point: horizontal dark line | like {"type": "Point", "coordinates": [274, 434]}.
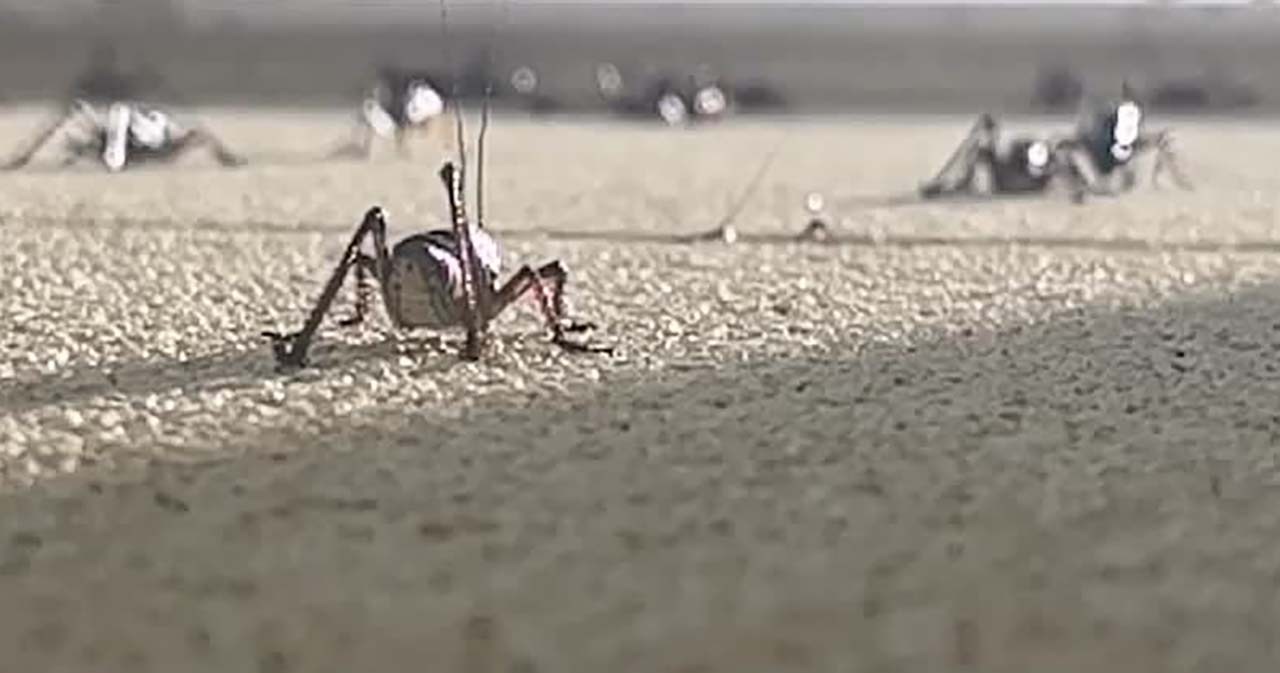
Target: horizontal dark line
{"type": "Point", "coordinates": [1120, 244]}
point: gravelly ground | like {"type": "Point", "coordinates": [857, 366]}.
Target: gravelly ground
{"type": "Point", "coordinates": [1054, 454]}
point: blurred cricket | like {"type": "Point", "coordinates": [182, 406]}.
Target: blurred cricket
{"type": "Point", "coordinates": [402, 103]}
{"type": "Point", "coordinates": [121, 134]}
{"type": "Point", "coordinates": [1096, 158]}
{"type": "Point", "coordinates": [673, 100]}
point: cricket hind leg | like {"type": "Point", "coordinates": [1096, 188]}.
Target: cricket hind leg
{"type": "Point", "coordinates": [77, 110]}
{"type": "Point", "coordinates": [290, 349]}
{"type": "Point", "coordinates": [358, 146]}
{"type": "Point", "coordinates": [79, 149]}
{"type": "Point", "coordinates": [957, 173]}
{"type": "Point", "coordinates": [421, 133]}
{"type": "Point", "coordinates": [1081, 174]}
{"type": "Point", "coordinates": [403, 134]}
{"type": "Point", "coordinates": [365, 266]}
{"type": "Point", "coordinates": [1167, 159]}
{"type": "Point", "coordinates": [1127, 177]}
{"type": "Point", "coordinates": [202, 137]}
{"type": "Point", "coordinates": [547, 285]}
{"type": "Point", "coordinates": [554, 278]}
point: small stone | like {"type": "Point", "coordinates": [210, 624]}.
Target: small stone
{"type": "Point", "coordinates": [74, 418]}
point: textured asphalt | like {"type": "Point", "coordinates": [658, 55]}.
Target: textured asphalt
{"type": "Point", "coordinates": [1006, 436]}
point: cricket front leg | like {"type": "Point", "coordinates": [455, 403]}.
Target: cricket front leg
{"type": "Point", "coordinates": [554, 277]}
{"type": "Point", "coordinates": [403, 134]}
{"type": "Point", "coordinates": [80, 151]}
{"type": "Point", "coordinates": [547, 286]}
{"type": "Point", "coordinates": [474, 299]}
{"type": "Point", "coordinates": [198, 137]}
{"type": "Point", "coordinates": [1128, 178]}
{"type": "Point", "coordinates": [1083, 175]}
{"type": "Point", "coordinates": [360, 145]}
{"type": "Point", "coordinates": [1166, 159]}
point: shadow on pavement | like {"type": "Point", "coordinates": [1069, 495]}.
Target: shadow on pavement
{"type": "Point", "coordinates": [1093, 491]}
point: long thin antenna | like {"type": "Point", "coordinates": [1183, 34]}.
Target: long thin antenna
{"type": "Point", "coordinates": [736, 208]}
{"type": "Point", "coordinates": [484, 114]}
{"type": "Point", "coordinates": [474, 280]}
{"type": "Point", "coordinates": [458, 124]}
{"type": "Point", "coordinates": [484, 129]}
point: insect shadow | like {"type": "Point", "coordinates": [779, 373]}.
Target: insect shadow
{"type": "Point", "coordinates": [226, 370]}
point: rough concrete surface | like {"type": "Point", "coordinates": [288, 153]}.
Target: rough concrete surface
{"type": "Point", "coordinates": [1006, 436]}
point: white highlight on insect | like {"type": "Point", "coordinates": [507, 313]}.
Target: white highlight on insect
{"type": "Point", "coordinates": [1128, 121]}
{"type": "Point", "coordinates": [1127, 129]}
{"type": "Point", "coordinates": [378, 119]}
{"type": "Point", "coordinates": [1038, 155]}
{"type": "Point", "coordinates": [672, 109]}
{"type": "Point", "coordinates": [524, 80]}
{"type": "Point", "coordinates": [116, 145]}
{"type": "Point", "coordinates": [149, 128]}
{"type": "Point", "coordinates": [710, 101]}
{"type": "Point", "coordinates": [422, 103]}
{"type": "Point", "coordinates": [609, 78]}
{"type": "Point", "coordinates": [417, 283]}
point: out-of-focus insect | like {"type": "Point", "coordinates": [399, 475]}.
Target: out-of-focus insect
{"type": "Point", "coordinates": [400, 104]}
{"type": "Point", "coordinates": [529, 92]}
{"type": "Point", "coordinates": [816, 229]}
{"type": "Point", "coordinates": [1100, 150]}
{"type": "Point", "coordinates": [439, 279]}
{"type": "Point", "coordinates": [699, 98]}
{"type": "Point", "coordinates": [122, 134]}
{"type": "Point", "coordinates": [1012, 166]}
{"type": "Point", "coordinates": [1108, 139]}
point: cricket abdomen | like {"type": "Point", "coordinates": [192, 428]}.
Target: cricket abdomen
{"type": "Point", "coordinates": [425, 284]}
{"type": "Point", "coordinates": [421, 286]}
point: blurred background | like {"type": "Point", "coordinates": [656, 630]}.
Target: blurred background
{"type": "Point", "coordinates": [798, 56]}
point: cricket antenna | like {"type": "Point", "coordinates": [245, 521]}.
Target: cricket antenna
{"type": "Point", "coordinates": [484, 115]}
{"type": "Point", "coordinates": [725, 229]}
{"type": "Point", "coordinates": [484, 130]}
{"type": "Point", "coordinates": [1126, 90]}
{"type": "Point", "coordinates": [458, 125]}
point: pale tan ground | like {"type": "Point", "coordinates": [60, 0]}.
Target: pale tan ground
{"type": "Point", "coordinates": [975, 455]}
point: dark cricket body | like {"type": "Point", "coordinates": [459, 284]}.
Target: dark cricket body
{"type": "Point", "coordinates": [122, 134]}
{"type": "Point", "coordinates": [438, 279]}
{"type": "Point", "coordinates": [1103, 145]}
{"type": "Point", "coordinates": [400, 103]}
{"type": "Point", "coordinates": [674, 100]}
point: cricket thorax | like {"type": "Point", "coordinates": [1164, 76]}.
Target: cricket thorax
{"type": "Point", "coordinates": [424, 287]}
{"type": "Point", "coordinates": [1113, 135]}
{"type": "Point", "coordinates": [1030, 156]}
{"type": "Point", "coordinates": [1020, 165]}
{"type": "Point", "coordinates": [397, 106]}
{"type": "Point", "coordinates": [132, 128]}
